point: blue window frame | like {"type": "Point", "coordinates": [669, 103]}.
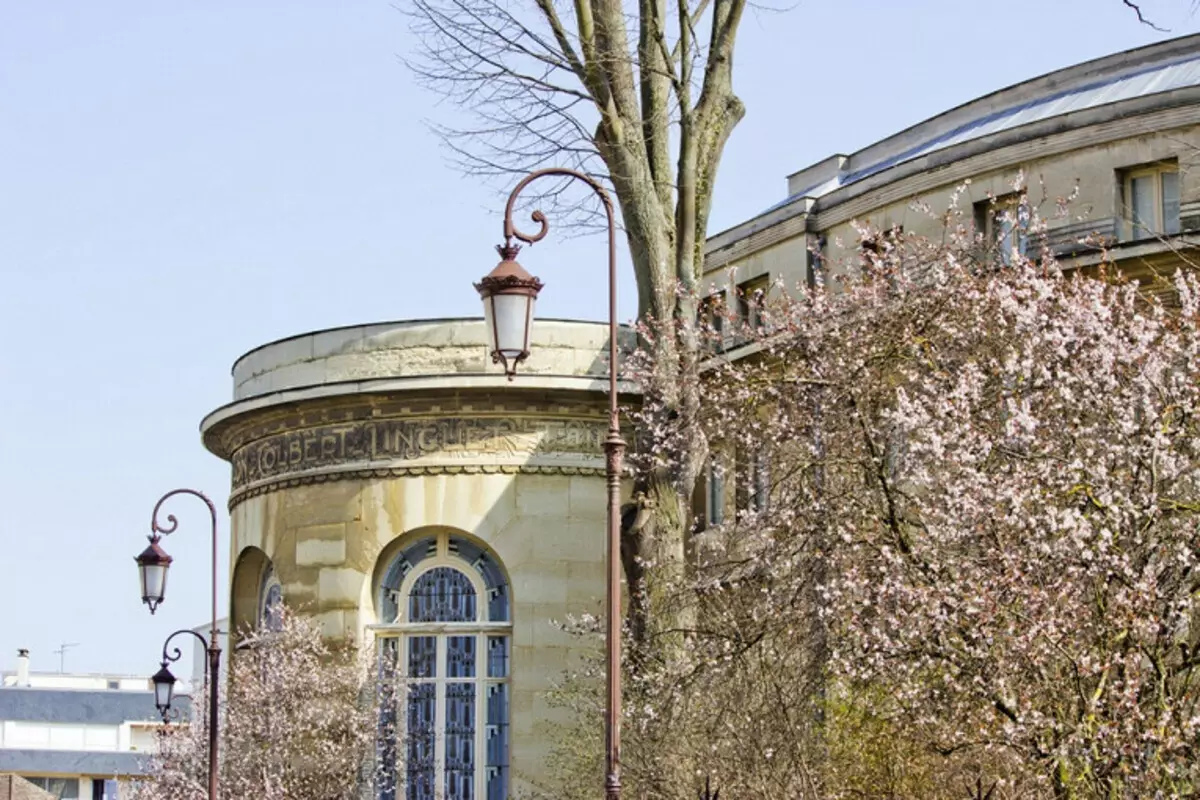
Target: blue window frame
{"type": "Point", "coordinates": [444, 646]}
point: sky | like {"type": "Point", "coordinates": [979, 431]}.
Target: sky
{"type": "Point", "coordinates": [181, 181]}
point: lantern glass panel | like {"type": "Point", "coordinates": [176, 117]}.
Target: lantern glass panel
{"type": "Point", "coordinates": [164, 690]}
{"type": "Point", "coordinates": [508, 323]}
{"type": "Point", "coordinates": [154, 582]}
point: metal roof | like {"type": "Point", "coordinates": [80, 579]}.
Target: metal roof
{"type": "Point", "coordinates": [76, 706]}
{"type": "Point", "coordinates": [72, 762]}
{"type": "Point", "coordinates": [1155, 78]}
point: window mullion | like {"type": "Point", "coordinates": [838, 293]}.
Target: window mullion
{"type": "Point", "coordinates": [1158, 204]}
{"type": "Point", "coordinates": [1127, 221]}
{"type": "Point", "coordinates": [481, 656]}
{"type": "Point", "coordinates": [439, 716]}
{"type": "Point", "coordinates": [400, 689]}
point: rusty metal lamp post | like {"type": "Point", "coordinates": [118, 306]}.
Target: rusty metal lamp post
{"type": "Point", "coordinates": [153, 564]}
{"type": "Point", "coordinates": [509, 293]}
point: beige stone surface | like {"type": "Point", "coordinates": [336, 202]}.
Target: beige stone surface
{"type": "Point", "coordinates": [1090, 170]}
{"type": "Point", "coordinates": [319, 552]}
{"type": "Point", "coordinates": [328, 534]}
{"type": "Point", "coordinates": [416, 348]}
{"type": "Point", "coordinates": [546, 530]}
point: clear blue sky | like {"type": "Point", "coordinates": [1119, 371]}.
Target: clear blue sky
{"type": "Point", "coordinates": [181, 181]}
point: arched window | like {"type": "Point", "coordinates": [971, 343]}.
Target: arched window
{"type": "Point", "coordinates": [444, 640]}
{"type": "Point", "coordinates": [270, 602]}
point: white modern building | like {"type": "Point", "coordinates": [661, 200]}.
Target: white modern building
{"type": "Point", "coordinates": [78, 736]}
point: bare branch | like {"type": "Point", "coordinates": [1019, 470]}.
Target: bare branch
{"type": "Point", "coordinates": [1137, 9]}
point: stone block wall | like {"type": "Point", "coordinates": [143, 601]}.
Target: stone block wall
{"type": "Point", "coordinates": [340, 462]}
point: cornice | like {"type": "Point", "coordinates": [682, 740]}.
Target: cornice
{"type": "Point", "coordinates": [404, 444]}
{"type": "Point", "coordinates": [228, 428]}
{"type": "Point", "coordinates": [1007, 149]}
{"type": "Point", "coordinates": [756, 241]}
{"type": "Point", "coordinates": [241, 495]}
{"type": "Point", "coordinates": [1004, 150]}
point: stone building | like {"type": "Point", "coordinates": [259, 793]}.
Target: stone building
{"type": "Point", "coordinates": [1121, 134]}
{"type": "Point", "coordinates": [389, 480]}
{"type": "Point", "coordinates": [1123, 130]}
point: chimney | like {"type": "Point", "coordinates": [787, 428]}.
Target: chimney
{"type": "Point", "coordinates": [22, 667]}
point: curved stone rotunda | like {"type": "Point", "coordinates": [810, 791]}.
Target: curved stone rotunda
{"type": "Point", "coordinates": [391, 482]}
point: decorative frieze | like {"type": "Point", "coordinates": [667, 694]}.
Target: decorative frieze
{"type": "Point", "coordinates": [418, 445]}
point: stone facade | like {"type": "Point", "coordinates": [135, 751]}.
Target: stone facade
{"type": "Point", "coordinates": [349, 445]}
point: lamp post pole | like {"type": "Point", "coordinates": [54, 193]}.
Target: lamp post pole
{"type": "Point", "coordinates": [154, 563]}
{"type": "Point", "coordinates": [510, 281]}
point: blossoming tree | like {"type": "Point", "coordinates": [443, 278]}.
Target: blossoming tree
{"type": "Point", "coordinates": [962, 553]}
{"type": "Point", "coordinates": [297, 724]}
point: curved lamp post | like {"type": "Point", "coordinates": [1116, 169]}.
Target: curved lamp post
{"type": "Point", "coordinates": [164, 681]}
{"type": "Point", "coordinates": [509, 294]}
{"type": "Point", "coordinates": [153, 565]}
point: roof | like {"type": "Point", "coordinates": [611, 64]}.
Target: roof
{"type": "Point", "coordinates": [23, 704]}
{"type": "Point", "coordinates": [72, 762]}
{"type": "Point", "coordinates": [1156, 69]}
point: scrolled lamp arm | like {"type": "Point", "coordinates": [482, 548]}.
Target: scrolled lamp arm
{"type": "Point", "coordinates": [511, 231]}
{"type": "Point", "coordinates": [171, 655]}
{"type": "Point", "coordinates": [163, 680]}
{"type": "Point", "coordinates": [157, 528]}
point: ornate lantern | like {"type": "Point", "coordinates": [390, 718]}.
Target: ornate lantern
{"type": "Point", "coordinates": [509, 294]}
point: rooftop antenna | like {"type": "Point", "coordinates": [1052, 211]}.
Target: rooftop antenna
{"type": "Point", "coordinates": [62, 655]}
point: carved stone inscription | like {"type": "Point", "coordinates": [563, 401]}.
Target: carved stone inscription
{"type": "Point", "coordinates": [501, 439]}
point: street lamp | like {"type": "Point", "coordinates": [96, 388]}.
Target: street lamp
{"type": "Point", "coordinates": [508, 294]}
{"type": "Point", "coordinates": [153, 564]}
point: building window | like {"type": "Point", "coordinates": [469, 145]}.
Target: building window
{"type": "Point", "coordinates": [754, 482]}
{"type": "Point", "coordinates": [444, 653]}
{"type": "Point", "coordinates": [1005, 223]}
{"type": "Point", "coordinates": [104, 790]}
{"type": "Point", "coordinates": [711, 321]}
{"type": "Point", "coordinates": [750, 297]}
{"type": "Point", "coordinates": [760, 482]}
{"type": "Point", "coordinates": [877, 246]}
{"type": "Point", "coordinates": [1150, 201]}
{"type": "Point", "coordinates": [62, 788]}
{"type": "Point", "coordinates": [270, 602]}
{"type": "Point", "coordinates": [714, 503]}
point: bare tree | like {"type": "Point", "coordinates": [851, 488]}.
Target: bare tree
{"type": "Point", "coordinates": [642, 98]}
